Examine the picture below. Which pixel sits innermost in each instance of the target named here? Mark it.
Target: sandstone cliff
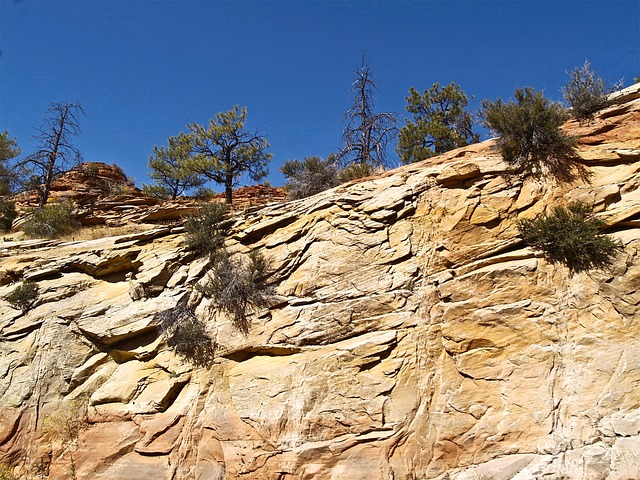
(412, 336)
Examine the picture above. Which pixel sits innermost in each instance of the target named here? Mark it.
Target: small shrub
(586, 93)
(64, 426)
(117, 188)
(235, 285)
(50, 221)
(356, 171)
(7, 214)
(530, 138)
(186, 334)
(206, 229)
(571, 236)
(309, 176)
(67, 421)
(90, 170)
(6, 473)
(23, 296)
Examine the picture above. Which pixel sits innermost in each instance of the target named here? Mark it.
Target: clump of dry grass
(103, 231)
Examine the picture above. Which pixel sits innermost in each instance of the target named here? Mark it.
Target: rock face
(411, 336)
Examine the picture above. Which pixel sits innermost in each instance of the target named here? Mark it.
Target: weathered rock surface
(412, 336)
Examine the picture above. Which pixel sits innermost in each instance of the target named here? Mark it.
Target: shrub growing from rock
(358, 170)
(236, 285)
(186, 334)
(572, 236)
(310, 176)
(529, 135)
(586, 93)
(23, 296)
(51, 221)
(206, 228)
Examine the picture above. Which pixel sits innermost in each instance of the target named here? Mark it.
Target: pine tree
(440, 123)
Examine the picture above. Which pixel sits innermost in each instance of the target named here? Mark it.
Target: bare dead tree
(366, 134)
(56, 152)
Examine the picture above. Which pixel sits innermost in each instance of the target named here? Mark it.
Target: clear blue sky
(144, 69)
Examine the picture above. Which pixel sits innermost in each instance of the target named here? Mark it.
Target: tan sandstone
(411, 336)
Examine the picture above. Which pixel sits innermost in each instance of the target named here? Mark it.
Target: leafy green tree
(529, 135)
(8, 150)
(171, 169)
(586, 93)
(366, 134)
(56, 151)
(310, 176)
(226, 151)
(440, 123)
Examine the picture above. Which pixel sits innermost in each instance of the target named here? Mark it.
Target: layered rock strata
(411, 335)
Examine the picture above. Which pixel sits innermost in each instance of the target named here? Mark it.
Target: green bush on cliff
(23, 296)
(529, 135)
(571, 236)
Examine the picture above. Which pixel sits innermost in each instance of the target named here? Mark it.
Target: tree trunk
(228, 188)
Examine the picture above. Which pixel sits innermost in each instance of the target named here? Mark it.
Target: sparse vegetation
(310, 176)
(572, 236)
(117, 188)
(50, 221)
(24, 296)
(64, 425)
(6, 473)
(186, 334)
(103, 231)
(586, 93)
(530, 138)
(206, 228)
(236, 285)
(90, 169)
(358, 170)
(7, 214)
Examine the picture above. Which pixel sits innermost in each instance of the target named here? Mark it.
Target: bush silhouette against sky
(143, 70)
